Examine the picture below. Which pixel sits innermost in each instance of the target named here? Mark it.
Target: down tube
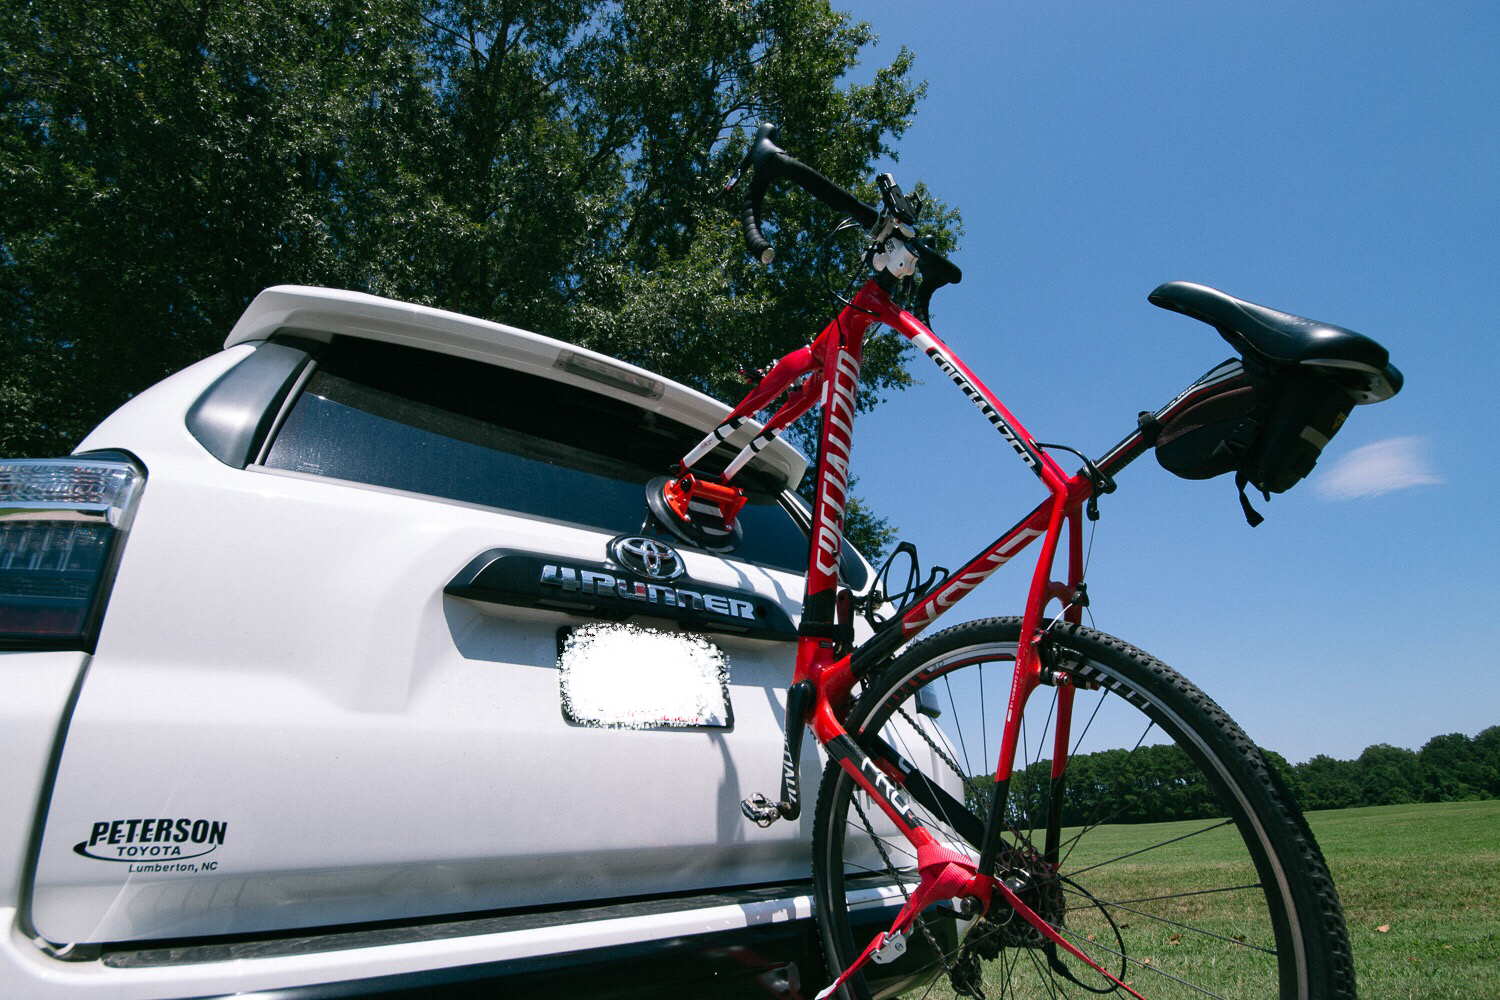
(976, 571)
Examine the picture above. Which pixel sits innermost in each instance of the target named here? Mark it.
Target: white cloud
(1382, 467)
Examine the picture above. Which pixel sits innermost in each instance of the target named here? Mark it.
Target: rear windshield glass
(442, 426)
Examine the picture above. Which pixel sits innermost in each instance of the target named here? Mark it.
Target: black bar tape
(770, 163)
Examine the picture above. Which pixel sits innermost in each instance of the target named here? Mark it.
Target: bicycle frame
(826, 668)
(827, 664)
(703, 511)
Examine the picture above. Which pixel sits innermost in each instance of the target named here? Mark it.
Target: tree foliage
(553, 164)
(1158, 783)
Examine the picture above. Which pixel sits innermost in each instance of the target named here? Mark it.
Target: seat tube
(1026, 678)
(1062, 735)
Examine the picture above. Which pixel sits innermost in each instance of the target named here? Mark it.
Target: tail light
(62, 526)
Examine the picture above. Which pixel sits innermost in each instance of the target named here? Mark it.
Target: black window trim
(240, 412)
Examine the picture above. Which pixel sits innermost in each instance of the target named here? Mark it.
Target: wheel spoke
(1086, 945)
(1157, 846)
(1097, 822)
(1194, 892)
(963, 746)
(1177, 923)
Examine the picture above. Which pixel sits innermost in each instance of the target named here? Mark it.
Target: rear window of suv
(450, 427)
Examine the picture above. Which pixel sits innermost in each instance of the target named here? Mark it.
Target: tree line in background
(552, 164)
(1159, 783)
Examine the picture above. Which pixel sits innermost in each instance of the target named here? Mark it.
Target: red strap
(946, 874)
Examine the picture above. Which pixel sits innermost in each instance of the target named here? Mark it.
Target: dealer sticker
(155, 844)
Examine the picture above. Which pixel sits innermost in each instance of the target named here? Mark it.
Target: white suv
(281, 689)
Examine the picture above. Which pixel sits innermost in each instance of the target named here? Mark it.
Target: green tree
(552, 164)
(1454, 769)
(1388, 775)
(159, 164)
(1328, 783)
(1027, 800)
(1487, 742)
(1289, 775)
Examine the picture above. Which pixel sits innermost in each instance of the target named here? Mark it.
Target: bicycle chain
(952, 764)
(1010, 827)
(901, 884)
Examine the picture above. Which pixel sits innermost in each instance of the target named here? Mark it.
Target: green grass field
(1420, 886)
(1430, 875)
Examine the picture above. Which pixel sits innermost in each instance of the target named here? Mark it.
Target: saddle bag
(1267, 426)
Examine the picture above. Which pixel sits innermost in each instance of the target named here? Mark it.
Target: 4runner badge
(647, 557)
(606, 587)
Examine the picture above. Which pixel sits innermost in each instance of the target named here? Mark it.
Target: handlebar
(768, 162)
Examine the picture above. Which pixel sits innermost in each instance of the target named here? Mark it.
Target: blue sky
(1335, 160)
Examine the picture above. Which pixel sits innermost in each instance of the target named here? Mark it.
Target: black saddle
(1279, 340)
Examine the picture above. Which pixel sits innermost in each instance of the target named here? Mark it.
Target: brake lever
(739, 173)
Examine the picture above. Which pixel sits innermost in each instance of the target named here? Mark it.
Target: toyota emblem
(647, 557)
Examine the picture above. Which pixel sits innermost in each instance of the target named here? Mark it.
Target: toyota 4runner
(285, 699)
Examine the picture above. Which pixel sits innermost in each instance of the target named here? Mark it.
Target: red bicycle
(1005, 851)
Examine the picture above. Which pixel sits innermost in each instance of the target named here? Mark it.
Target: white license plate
(624, 676)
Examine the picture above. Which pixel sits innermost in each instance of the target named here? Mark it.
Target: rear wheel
(1180, 863)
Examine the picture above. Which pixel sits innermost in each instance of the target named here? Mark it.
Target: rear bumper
(742, 943)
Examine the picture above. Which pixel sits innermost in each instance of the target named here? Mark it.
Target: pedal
(760, 810)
